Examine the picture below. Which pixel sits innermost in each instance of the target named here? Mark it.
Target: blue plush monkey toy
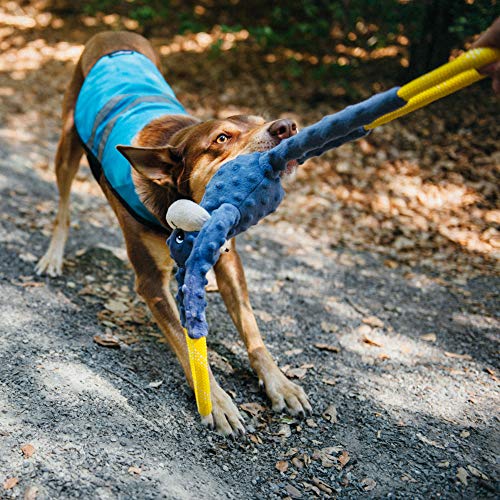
(244, 191)
(248, 188)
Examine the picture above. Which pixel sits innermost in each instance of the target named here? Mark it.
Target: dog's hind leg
(68, 156)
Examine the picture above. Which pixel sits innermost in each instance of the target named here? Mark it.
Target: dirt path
(396, 343)
(410, 416)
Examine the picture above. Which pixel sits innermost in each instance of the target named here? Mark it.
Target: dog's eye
(180, 237)
(222, 138)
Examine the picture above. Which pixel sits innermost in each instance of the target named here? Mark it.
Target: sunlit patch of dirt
(422, 191)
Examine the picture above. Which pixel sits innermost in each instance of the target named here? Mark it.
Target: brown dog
(174, 156)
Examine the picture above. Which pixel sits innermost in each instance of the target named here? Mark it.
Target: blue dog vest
(123, 92)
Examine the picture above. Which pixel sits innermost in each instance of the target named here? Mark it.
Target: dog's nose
(283, 128)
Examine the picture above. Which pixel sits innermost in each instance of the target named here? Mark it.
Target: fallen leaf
(344, 459)
(329, 327)
(255, 409)
(429, 337)
(311, 423)
(426, 440)
(284, 431)
(291, 452)
(364, 329)
(255, 439)
(293, 491)
(116, 306)
(311, 487)
(28, 257)
(462, 475)
(322, 486)
(296, 373)
(10, 482)
(368, 484)
(30, 493)
(373, 321)
(464, 434)
(31, 284)
(327, 347)
(329, 381)
(407, 478)
(107, 340)
(297, 463)
(443, 464)
(282, 465)
(28, 450)
(330, 414)
(134, 470)
(369, 341)
(457, 356)
(477, 473)
(326, 456)
(155, 384)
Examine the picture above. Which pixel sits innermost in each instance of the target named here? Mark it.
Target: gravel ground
(414, 417)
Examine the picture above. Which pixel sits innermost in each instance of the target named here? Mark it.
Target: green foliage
(306, 26)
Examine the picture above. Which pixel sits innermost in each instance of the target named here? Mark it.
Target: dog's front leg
(232, 285)
(153, 267)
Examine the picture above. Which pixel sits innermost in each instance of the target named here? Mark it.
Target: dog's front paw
(51, 263)
(284, 394)
(225, 416)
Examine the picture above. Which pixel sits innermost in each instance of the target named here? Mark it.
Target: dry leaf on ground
(330, 414)
(28, 450)
(134, 470)
(369, 341)
(429, 337)
(322, 486)
(255, 409)
(326, 347)
(368, 483)
(10, 482)
(107, 340)
(454, 355)
(116, 306)
(329, 381)
(476, 472)
(373, 321)
(462, 475)
(282, 465)
(155, 384)
(344, 459)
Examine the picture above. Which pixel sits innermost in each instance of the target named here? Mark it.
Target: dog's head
(188, 158)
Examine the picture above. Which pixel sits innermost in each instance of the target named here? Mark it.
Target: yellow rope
(198, 361)
(433, 94)
(441, 82)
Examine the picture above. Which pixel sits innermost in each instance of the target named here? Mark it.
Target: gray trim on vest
(102, 115)
(111, 123)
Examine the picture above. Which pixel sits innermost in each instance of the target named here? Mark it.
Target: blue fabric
(248, 188)
(123, 92)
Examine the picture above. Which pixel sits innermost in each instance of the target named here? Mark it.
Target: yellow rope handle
(198, 360)
(441, 82)
(433, 94)
(472, 59)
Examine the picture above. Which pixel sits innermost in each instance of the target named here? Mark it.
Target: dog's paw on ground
(225, 416)
(51, 264)
(285, 394)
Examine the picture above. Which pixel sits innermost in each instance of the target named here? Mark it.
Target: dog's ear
(157, 164)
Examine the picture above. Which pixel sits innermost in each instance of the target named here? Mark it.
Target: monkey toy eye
(180, 237)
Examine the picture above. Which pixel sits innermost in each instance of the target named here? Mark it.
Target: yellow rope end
(198, 360)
